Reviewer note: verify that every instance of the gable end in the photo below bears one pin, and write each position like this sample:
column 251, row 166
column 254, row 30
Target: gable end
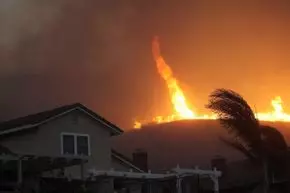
column 35, row 120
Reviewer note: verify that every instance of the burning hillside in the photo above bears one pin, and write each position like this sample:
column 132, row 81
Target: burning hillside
column 185, row 142
column 181, row 109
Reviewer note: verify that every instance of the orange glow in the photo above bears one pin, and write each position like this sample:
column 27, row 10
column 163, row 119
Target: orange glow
column 277, row 114
column 181, row 109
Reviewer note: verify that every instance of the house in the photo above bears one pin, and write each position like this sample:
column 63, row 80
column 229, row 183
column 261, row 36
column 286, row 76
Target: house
column 60, row 150
column 64, row 142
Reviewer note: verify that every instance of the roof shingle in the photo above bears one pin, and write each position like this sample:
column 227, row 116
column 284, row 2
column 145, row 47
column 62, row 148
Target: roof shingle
column 42, row 116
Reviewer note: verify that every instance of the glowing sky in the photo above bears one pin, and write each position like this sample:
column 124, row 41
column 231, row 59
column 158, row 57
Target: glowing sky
column 99, row 53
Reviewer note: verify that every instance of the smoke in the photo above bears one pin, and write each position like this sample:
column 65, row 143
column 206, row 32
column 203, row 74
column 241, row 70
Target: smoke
column 32, row 28
column 54, row 52
column 62, row 51
column 22, row 18
column 22, row 21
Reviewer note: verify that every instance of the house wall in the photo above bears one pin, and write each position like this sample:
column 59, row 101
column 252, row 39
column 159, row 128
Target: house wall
column 46, row 141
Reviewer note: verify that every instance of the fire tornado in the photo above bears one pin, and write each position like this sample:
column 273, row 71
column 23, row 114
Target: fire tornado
column 181, row 110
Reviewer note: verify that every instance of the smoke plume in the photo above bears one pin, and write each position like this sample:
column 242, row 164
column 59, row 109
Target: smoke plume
column 62, row 51
column 22, row 18
column 97, row 52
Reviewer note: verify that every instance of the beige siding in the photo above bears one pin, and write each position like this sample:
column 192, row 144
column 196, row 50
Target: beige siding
column 47, row 139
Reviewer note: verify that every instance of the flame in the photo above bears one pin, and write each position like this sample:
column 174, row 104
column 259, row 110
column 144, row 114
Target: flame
column 277, row 114
column 177, row 97
column 181, row 109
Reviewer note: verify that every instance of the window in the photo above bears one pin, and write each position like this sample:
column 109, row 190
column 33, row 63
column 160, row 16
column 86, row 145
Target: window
column 68, row 144
column 75, row 144
column 82, row 145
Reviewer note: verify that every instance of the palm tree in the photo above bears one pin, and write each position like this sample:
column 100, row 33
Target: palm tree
column 257, row 142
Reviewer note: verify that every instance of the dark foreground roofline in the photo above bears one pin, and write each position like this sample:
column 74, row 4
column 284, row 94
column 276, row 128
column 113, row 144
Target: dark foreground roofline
column 34, row 120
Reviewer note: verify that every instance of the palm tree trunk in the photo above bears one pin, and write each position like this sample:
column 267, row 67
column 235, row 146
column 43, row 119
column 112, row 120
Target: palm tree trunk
column 266, row 176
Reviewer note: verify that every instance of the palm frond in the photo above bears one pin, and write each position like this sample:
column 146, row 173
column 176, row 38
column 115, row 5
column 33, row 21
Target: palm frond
column 236, row 116
column 274, row 142
column 276, row 150
column 240, row 147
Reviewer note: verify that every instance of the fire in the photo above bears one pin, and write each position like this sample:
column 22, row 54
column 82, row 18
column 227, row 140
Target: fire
column 182, row 111
column 177, row 97
column 277, row 114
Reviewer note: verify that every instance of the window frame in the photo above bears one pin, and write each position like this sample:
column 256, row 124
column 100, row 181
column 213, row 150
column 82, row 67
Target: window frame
column 75, row 135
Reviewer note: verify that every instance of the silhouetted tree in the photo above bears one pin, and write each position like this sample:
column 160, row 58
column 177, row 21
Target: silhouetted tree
column 262, row 144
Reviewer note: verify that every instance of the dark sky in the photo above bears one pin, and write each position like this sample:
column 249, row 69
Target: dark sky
column 98, row 53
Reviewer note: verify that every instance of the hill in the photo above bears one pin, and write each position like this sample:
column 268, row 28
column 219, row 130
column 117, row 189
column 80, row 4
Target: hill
column 187, row 143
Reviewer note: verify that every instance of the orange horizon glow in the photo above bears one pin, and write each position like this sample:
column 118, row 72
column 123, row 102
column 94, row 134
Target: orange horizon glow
column 182, row 111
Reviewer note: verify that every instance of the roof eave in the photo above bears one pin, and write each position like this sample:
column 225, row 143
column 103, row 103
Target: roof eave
column 114, row 130
column 116, row 133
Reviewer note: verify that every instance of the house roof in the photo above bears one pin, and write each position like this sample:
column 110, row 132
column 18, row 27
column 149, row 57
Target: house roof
column 125, row 160
column 34, row 120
